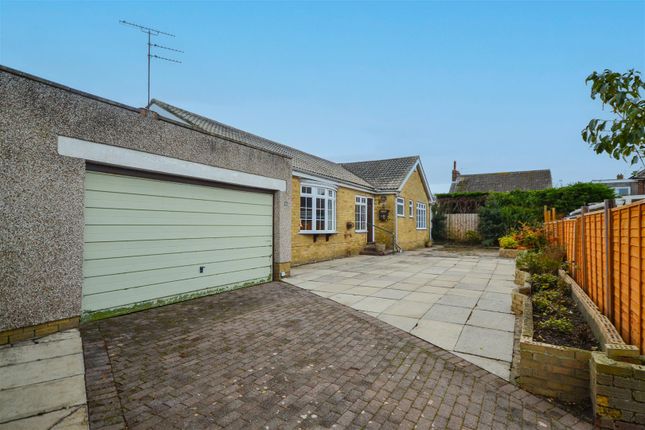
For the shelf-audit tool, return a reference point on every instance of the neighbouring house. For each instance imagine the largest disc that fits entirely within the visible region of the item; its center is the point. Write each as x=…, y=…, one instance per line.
x=634, y=185
x=525, y=180
x=108, y=209
x=339, y=209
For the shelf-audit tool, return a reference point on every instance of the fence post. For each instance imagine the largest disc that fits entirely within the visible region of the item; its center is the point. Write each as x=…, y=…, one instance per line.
x=609, y=285
x=583, y=251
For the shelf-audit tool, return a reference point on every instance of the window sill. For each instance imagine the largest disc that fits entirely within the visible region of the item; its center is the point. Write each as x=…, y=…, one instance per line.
x=360, y=231
x=308, y=232
x=424, y=228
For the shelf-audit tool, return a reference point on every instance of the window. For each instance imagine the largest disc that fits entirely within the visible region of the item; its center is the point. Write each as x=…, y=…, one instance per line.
x=400, y=206
x=317, y=209
x=421, y=216
x=361, y=214
x=410, y=209
x=622, y=191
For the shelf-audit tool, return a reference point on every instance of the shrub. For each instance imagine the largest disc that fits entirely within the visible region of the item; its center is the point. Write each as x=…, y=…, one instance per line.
x=472, y=237
x=562, y=324
x=491, y=225
x=547, y=301
x=531, y=237
x=439, y=231
x=543, y=282
x=508, y=242
x=546, y=260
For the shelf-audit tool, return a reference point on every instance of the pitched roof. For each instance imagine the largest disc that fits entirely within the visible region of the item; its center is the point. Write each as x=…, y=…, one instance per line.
x=386, y=175
x=302, y=161
x=503, y=181
x=638, y=175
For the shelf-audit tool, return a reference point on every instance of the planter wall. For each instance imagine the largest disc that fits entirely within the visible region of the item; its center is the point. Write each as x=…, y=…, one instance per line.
x=508, y=253
x=554, y=371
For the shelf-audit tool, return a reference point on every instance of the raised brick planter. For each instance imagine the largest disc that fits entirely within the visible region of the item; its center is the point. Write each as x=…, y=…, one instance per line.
x=554, y=371
x=508, y=253
x=521, y=277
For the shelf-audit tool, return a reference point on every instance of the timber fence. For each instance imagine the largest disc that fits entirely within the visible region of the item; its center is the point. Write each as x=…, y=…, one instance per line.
x=604, y=250
x=457, y=225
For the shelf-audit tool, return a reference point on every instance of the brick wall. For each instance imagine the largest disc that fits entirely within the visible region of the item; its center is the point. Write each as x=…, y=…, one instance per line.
x=343, y=243
x=549, y=370
x=408, y=235
x=387, y=202
x=35, y=331
x=618, y=388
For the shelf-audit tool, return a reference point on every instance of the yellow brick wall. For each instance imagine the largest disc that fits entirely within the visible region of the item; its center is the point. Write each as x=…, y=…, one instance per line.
x=343, y=243
x=385, y=201
x=408, y=235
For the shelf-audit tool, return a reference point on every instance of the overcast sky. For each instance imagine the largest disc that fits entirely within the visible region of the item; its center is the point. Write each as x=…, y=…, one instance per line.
x=497, y=86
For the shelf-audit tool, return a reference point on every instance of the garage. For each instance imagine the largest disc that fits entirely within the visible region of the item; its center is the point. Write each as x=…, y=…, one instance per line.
x=151, y=240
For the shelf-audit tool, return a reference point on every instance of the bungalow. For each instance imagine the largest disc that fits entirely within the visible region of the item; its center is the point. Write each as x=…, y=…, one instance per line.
x=109, y=209
x=339, y=209
x=525, y=180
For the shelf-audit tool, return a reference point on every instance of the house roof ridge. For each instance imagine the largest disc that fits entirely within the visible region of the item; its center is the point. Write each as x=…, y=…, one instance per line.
x=416, y=157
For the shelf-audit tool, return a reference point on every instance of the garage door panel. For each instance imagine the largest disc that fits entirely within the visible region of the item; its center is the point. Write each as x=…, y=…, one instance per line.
x=97, y=233
x=100, y=250
x=101, y=199
x=94, y=216
x=121, y=281
x=120, y=298
x=112, y=266
x=124, y=185
x=146, y=239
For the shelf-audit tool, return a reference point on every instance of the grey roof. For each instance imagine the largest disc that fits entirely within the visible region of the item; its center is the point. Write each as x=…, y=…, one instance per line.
x=386, y=175
x=638, y=175
x=302, y=161
x=503, y=181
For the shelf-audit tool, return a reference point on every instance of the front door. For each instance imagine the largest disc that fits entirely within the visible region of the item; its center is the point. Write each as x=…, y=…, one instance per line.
x=370, y=220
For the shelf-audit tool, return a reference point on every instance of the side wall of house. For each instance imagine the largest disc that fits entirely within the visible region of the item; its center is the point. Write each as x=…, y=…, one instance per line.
x=385, y=202
x=41, y=233
x=343, y=243
x=409, y=237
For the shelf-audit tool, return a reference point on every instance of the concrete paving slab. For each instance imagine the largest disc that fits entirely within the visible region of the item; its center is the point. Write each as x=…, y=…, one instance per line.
x=497, y=367
x=407, y=309
x=377, y=282
x=419, y=296
x=34, y=372
x=373, y=304
x=433, y=290
x=405, y=286
x=442, y=283
x=454, y=300
x=346, y=299
x=362, y=291
x=404, y=323
x=442, y=334
x=390, y=293
x=451, y=314
x=486, y=342
x=490, y=319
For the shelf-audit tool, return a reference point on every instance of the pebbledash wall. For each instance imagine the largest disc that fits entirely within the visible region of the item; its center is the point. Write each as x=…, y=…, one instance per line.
x=41, y=234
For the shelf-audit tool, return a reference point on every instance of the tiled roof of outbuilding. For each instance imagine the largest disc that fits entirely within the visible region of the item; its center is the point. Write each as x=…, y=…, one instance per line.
x=386, y=175
x=302, y=161
x=503, y=181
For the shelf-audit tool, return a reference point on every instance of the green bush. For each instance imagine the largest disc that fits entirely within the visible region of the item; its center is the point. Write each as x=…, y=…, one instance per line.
x=439, y=228
x=491, y=225
x=508, y=242
x=546, y=260
x=541, y=282
x=562, y=324
x=472, y=237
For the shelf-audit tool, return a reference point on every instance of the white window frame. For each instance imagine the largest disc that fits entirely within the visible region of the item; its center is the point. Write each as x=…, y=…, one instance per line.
x=410, y=208
x=422, y=216
x=326, y=196
x=360, y=214
x=616, y=190
x=400, y=207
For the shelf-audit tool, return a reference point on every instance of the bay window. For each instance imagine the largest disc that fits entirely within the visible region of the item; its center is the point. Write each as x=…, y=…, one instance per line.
x=361, y=214
x=421, y=216
x=317, y=209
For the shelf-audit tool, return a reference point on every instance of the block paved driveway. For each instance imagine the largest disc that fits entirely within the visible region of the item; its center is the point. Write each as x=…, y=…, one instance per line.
x=279, y=357
x=458, y=299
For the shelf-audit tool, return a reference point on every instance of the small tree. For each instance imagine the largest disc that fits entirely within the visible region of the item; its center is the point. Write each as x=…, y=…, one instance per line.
x=623, y=137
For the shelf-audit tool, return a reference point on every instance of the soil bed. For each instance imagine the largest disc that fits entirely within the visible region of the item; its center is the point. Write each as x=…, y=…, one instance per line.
x=580, y=336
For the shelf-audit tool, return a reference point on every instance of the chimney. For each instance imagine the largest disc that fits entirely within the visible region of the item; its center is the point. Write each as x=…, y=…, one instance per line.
x=620, y=176
x=455, y=172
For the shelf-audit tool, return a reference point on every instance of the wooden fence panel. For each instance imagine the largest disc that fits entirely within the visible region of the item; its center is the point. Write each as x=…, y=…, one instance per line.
x=584, y=241
x=458, y=225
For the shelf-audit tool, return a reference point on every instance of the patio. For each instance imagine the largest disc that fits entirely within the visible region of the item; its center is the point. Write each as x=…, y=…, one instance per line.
x=458, y=299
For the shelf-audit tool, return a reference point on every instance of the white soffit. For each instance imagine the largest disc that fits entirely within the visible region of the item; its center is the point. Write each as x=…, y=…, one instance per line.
x=139, y=160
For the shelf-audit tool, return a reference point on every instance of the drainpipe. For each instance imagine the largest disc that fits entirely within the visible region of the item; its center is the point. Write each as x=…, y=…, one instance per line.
x=396, y=221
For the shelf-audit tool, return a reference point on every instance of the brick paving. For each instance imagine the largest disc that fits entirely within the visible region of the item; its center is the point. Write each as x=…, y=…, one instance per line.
x=278, y=357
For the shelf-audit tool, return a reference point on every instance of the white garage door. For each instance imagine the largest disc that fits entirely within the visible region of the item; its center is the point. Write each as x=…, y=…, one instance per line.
x=150, y=242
